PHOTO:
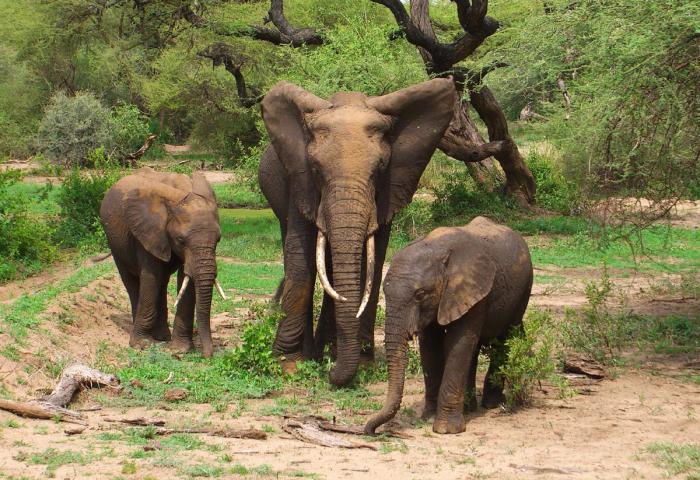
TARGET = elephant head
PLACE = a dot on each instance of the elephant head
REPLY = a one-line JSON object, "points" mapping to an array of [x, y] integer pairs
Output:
{"points": [[170, 215], [437, 278], [353, 161]]}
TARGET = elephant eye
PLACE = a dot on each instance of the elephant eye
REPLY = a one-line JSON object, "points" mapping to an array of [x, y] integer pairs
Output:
{"points": [[421, 294]]}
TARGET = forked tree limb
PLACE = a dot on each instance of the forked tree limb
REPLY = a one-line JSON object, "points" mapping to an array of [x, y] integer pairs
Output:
{"points": [[73, 378], [132, 158]]}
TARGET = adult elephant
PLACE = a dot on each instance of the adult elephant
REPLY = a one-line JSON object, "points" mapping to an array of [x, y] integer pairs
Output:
{"points": [[157, 224], [336, 173]]}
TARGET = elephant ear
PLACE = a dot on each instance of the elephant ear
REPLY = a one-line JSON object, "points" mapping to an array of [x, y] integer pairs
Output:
{"points": [[283, 111], [469, 279], [421, 115], [201, 186], [147, 214]]}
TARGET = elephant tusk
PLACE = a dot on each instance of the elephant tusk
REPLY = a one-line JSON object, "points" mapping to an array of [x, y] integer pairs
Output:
{"points": [[219, 289], [321, 268], [185, 282], [369, 276]]}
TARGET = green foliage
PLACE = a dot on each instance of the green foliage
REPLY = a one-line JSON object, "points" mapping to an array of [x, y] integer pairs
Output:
{"points": [[24, 237], [129, 130], [677, 459], [605, 333], [530, 359], [554, 192], [73, 127], [79, 201], [632, 128], [596, 330], [255, 355]]}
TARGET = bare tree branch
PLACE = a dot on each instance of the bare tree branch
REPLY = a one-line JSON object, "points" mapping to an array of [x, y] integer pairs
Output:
{"points": [[222, 54]]}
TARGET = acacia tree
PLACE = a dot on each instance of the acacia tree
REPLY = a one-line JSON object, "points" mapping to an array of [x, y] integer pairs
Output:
{"points": [[462, 140]]}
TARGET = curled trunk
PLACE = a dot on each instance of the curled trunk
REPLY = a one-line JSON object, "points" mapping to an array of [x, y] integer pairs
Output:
{"points": [[397, 360]]}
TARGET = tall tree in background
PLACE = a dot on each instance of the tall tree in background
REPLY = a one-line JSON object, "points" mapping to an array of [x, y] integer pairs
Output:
{"points": [[463, 140]]}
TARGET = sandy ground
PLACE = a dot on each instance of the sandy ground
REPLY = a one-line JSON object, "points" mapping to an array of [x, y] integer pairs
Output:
{"points": [[600, 433]]}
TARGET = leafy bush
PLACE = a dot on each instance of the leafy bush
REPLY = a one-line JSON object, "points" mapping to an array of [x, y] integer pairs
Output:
{"points": [[530, 359], [24, 239], [255, 355], [554, 192], [459, 199], [414, 220], [129, 130], [79, 201], [73, 127]]}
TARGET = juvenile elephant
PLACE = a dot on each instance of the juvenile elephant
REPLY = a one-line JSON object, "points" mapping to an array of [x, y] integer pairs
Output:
{"points": [[156, 224], [336, 173], [457, 288]]}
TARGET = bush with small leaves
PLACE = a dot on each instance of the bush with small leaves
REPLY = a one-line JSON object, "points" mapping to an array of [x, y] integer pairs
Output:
{"points": [[73, 127]]}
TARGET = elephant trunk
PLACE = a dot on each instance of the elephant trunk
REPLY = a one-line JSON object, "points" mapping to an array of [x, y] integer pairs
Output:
{"points": [[348, 219], [204, 277], [396, 342]]}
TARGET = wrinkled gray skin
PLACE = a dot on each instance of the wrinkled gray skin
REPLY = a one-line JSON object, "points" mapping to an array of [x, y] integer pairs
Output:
{"points": [[342, 167], [158, 224], [457, 288]]}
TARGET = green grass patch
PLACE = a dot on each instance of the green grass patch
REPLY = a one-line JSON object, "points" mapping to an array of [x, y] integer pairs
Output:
{"points": [[17, 317], [53, 459], [43, 196], [237, 195], [249, 235], [656, 249], [677, 459]]}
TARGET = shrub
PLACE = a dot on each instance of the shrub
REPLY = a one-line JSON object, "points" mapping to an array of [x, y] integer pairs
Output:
{"points": [[129, 130], [24, 240], [73, 127], [254, 355], [459, 199], [554, 192], [530, 359], [79, 201], [596, 330], [414, 220]]}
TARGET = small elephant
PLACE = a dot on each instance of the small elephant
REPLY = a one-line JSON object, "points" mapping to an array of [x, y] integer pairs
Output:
{"points": [[156, 224], [458, 288]]}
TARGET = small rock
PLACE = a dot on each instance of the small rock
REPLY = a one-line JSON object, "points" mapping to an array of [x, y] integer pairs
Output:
{"points": [[152, 446], [175, 394], [135, 383], [74, 430]]}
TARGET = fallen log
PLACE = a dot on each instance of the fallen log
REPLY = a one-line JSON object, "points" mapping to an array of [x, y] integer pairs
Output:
{"points": [[161, 429], [309, 430], [73, 378]]}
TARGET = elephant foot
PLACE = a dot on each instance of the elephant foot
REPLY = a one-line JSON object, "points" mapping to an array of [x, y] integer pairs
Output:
{"points": [[493, 399], [452, 424], [289, 361], [162, 334], [429, 409], [140, 342], [181, 345]]}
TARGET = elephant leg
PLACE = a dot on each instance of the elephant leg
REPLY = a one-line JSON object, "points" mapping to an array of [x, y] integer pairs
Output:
{"points": [[184, 318], [461, 340], [471, 404], [431, 341], [131, 283], [161, 331], [297, 298], [369, 316], [325, 330], [151, 279]]}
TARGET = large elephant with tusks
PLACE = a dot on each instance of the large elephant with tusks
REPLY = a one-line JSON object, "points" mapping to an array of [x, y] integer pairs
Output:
{"points": [[336, 173]]}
